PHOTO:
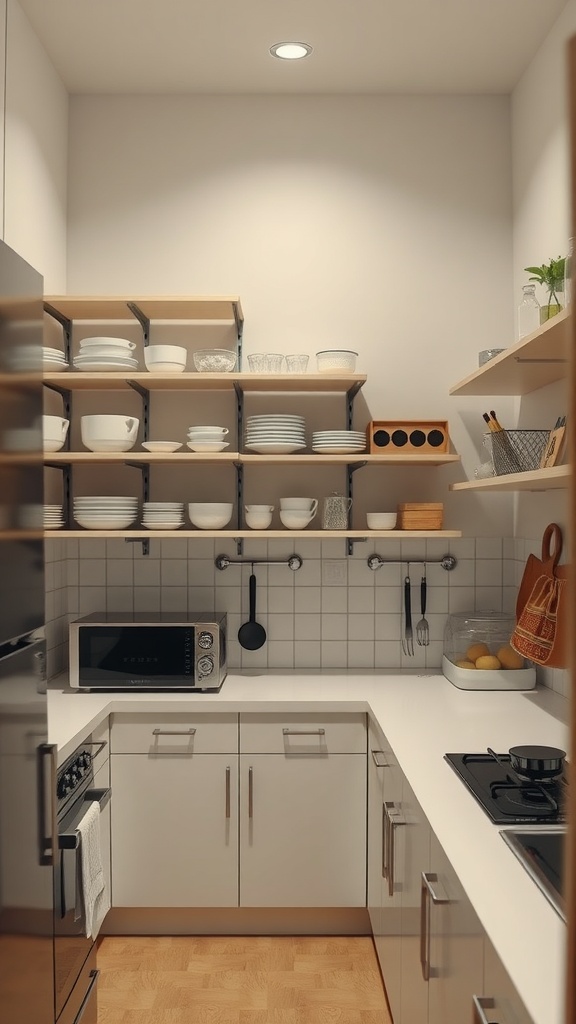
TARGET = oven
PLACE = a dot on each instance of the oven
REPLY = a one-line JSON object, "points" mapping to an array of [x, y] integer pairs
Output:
{"points": [[74, 953]]}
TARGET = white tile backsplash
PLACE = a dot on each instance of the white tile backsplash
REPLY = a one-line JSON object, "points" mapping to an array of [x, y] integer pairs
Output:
{"points": [[334, 612]]}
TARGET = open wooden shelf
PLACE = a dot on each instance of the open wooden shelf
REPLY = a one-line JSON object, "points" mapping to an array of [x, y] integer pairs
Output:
{"points": [[247, 382], [555, 477], [138, 534], [163, 307], [156, 458], [532, 363]]}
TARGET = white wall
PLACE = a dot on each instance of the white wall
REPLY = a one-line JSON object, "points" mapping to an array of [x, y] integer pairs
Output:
{"points": [[541, 201], [36, 142], [362, 222]]}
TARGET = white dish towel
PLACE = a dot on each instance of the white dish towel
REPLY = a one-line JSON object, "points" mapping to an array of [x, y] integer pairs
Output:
{"points": [[95, 895]]}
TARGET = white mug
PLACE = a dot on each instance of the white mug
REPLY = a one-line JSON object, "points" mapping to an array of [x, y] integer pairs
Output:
{"points": [[300, 505], [55, 427], [259, 508], [117, 427]]}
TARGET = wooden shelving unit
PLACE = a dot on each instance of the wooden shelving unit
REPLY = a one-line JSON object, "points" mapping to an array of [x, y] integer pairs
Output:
{"points": [[161, 307], [137, 534], [182, 457], [532, 363], [247, 382], [555, 478]]}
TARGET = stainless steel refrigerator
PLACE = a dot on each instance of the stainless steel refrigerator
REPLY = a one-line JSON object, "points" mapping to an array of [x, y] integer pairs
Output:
{"points": [[27, 762]]}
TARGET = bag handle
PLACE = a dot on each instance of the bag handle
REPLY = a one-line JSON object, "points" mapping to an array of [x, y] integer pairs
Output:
{"points": [[549, 553]]}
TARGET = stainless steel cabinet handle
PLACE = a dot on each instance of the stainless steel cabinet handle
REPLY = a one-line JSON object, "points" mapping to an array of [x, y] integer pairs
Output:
{"points": [[228, 791], [250, 793], [384, 842], [173, 732], [378, 758], [303, 732], [426, 894], [93, 980], [394, 819], [479, 1005], [48, 821]]}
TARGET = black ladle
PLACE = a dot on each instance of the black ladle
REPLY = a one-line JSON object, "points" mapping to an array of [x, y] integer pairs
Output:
{"points": [[251, 635]]}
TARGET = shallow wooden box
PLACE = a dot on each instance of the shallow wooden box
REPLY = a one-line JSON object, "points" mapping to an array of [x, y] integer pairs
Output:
{"points": [[402, 437]]}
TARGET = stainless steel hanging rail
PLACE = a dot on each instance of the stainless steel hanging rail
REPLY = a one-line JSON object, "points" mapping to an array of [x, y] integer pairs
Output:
{"points": [[448, 562], [223, 561]]}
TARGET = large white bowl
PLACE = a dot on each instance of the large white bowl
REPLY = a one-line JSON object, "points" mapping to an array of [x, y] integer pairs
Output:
{"points": [[109, 445], [165, 358], [336, 360], [110, 426], [210, 515]]}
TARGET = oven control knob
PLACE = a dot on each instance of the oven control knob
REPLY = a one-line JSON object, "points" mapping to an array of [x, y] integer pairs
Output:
{"points": [[205, 666], [205, 640]]}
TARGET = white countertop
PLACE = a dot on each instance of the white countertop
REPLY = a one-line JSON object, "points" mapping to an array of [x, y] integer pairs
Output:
{"points": [[423, 717]]}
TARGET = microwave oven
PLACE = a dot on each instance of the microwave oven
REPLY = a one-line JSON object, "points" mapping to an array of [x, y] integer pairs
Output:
{"points": [[148, 652]]}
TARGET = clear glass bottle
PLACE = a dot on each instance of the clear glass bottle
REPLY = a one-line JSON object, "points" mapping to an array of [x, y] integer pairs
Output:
{"points": [[568, 274], [528, 311]]}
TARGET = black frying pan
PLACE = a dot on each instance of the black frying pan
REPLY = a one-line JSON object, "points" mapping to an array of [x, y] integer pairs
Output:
{"points": [[534, 763], [251, 635]]}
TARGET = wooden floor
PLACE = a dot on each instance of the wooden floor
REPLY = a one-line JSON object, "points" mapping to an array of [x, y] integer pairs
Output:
{"points": [[237, 980]]}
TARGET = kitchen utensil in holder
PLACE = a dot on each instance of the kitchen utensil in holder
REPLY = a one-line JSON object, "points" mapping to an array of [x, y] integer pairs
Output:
{"points": [[516, 451]]}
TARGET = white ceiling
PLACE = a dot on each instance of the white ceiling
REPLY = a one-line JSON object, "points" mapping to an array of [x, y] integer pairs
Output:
{"points": [[360, 46]]}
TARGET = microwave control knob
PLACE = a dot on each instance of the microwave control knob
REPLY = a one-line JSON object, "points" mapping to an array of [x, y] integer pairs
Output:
{"points": [[205, 640], [205, 666]]}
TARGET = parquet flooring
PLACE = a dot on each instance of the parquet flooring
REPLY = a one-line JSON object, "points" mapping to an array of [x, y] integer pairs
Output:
{"points": [[240, 980]]}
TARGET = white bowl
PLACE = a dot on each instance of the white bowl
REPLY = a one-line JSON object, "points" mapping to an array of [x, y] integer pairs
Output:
{"points": [[206, 521], [123, 343], [296, 520], [305, 505], [109, 426], [336, 360], [107, 444], [93, 523], [165, 358], [381, 520], [161, 446], [258, 520], [52, 444], [214, 360], [207, 446]]}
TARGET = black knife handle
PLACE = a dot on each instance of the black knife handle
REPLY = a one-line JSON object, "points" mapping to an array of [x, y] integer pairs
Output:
{"points": [[407, 608], [423, 596]]}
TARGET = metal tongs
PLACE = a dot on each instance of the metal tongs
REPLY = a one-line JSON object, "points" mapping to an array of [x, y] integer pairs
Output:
{"points": [[407, 639]]}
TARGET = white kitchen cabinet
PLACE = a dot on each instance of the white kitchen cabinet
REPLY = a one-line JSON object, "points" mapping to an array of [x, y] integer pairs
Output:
{"points": [[376, 765], [302, 811], [500, 1003], [416, 834], [174, 811]]}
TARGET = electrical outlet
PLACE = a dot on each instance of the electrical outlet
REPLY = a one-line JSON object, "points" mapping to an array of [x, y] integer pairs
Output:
{"points": [[334, 572]]}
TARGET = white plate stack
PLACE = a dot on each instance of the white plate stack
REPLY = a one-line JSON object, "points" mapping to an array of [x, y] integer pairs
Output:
{"points": [[53, 360], [163, 515], [275, 434], [53, 517], [97, 354], [338, 442], [107, 512]]}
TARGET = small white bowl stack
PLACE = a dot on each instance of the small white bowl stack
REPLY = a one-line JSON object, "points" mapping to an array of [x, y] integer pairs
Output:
{"points": [[105, 512], [53, 517], [104, 354], [207, 439], [163, 515], [53, 360], [275, 434], [338, 442]]}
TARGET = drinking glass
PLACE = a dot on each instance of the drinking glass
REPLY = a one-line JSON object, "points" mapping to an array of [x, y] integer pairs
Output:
{"points": [[274, 362], [297, 363], [258, 362]]}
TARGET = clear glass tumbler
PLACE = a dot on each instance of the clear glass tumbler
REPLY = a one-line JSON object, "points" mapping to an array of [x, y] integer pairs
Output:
{"points": [[258, 362], [297, 363], [274, 362]]}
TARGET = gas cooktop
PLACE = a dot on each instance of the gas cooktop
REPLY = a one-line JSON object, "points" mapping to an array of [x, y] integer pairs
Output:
{"points": [[505, 798]]}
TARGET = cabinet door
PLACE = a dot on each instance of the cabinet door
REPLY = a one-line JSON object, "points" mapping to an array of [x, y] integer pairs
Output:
{"points": [[456, 949], [501, 1003], [174, 830], [303, 830], [388, 941], [376, 764], [416, 847], [102, 781]]}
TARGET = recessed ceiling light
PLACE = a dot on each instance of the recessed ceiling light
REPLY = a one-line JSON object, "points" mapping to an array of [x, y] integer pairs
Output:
{"points": [[290, 51]]}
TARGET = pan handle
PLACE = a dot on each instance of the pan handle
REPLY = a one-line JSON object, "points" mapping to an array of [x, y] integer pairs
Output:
{"points": [[252, 598]]}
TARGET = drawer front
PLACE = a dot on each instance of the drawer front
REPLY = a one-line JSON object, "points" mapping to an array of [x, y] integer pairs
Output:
{"points": [[180, 733], [303, 734]]}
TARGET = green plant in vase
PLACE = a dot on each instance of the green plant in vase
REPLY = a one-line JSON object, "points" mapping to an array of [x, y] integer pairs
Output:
{"points": [[551, 275]]}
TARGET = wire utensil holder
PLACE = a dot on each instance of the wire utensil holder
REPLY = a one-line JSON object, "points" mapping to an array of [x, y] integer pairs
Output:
{"points": [[516, 451]]}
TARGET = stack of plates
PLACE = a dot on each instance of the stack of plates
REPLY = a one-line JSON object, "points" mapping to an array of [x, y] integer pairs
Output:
{"points": [[53, 517], [105, 354], [338, 442], [110, 512], [53, 360], [163, 515], [275, 434]]}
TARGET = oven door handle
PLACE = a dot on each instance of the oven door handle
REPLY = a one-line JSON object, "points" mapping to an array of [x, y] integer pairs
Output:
{"points": [[71, 840]]}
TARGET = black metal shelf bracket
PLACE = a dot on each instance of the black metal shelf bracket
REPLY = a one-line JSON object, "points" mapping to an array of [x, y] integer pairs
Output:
{"points": [[350, 470], [240, 503], [66, 470], [448, 562], [239, 321], [144, 468], [66, 396], [145, 396], [142, 319], [350, 396], [66, 324]]}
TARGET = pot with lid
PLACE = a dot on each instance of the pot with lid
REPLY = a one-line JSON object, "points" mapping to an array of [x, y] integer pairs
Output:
{"points": [[536, 763]]}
